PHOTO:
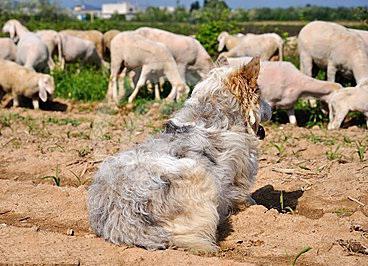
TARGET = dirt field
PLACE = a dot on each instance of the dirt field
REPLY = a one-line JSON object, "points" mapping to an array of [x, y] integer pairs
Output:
{"points": [[311, 191]]}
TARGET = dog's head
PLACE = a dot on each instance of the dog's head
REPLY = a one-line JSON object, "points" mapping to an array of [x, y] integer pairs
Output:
{"points": [[233, 95], [242, 84]]}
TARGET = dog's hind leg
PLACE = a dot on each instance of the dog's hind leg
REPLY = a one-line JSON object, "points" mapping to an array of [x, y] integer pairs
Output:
{"points": [[195, 225]]}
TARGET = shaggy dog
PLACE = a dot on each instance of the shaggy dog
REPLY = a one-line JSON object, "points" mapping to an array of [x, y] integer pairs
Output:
{"points": [[175, 189]]}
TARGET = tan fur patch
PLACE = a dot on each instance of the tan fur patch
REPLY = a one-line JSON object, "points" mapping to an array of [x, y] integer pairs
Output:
{"points": [[242, 83]]}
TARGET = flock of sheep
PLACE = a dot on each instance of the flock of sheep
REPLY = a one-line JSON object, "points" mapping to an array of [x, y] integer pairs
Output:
{"points": [[149, 56]]}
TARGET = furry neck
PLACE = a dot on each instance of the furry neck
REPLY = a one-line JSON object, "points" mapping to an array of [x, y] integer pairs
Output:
{"points": [[209, 112]]}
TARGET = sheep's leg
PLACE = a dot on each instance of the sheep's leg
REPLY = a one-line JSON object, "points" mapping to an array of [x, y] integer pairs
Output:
{"points": [[339, 118], [306, 63], [182, 70], [141, 81], [157, 91], [292, 118], [331, 71], [15, 100], [51, 63], [35, 103], [112, 91], [172, 94], [121, 83], [366, 118]]}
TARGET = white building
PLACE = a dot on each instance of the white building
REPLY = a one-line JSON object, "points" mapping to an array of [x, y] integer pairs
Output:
{"points": [[123, 8]]}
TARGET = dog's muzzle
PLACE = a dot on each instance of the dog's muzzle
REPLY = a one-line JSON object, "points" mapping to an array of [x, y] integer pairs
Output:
{"points": [[261, 134]]}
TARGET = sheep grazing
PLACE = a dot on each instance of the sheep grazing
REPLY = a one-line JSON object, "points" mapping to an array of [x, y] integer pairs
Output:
{"points": [[363, 34], [74, 49], [282, 84], [131, 51], [53, 42], [108, 36], [8, 49], [338, 48], [21, 81], [345, 100], [263, 45], [31, 51], [187, 51], [90, 35], [228, 41]]}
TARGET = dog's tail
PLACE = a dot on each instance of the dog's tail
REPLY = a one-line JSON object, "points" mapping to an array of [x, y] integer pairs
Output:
{"points": [[119, 212]]}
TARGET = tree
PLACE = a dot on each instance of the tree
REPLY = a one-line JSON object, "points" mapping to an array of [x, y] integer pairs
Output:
{"points": [[194, 6]]}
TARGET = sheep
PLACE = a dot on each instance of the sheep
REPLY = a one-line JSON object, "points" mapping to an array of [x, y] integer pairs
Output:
{"points": [[21, 81], [31, 51], [363, 34], [130, 50], [345, 100], [108, 36], [186, 50], [53, 42], [228, 41], [262, 45], [74, 48], [331, 45], [8, 49], [282, 84], [90, 35]]}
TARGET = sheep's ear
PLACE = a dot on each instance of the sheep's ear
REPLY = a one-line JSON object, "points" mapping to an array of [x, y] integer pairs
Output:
{"points": [[42, 94], [242, 82], [11, 29], [42, 91]]}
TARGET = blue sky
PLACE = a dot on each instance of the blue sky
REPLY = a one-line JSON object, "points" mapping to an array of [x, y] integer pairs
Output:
{"points": [[231, 3]]}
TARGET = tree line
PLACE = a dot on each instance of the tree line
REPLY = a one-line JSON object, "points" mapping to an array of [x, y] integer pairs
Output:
{"points": [[206, 11]]}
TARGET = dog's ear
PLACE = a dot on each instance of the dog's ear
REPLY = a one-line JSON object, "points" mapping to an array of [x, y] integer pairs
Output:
{"points": [[242, 83], [222, 61]]}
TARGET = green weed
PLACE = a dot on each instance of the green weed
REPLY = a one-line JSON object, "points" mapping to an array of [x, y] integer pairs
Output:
{"points": [[333, 154], [361, 149], [55, 178]]}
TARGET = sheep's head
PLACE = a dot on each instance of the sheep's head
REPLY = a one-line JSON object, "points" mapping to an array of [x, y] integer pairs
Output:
{"points": [[222, 40], [242, 83], [10, 27], [46, 87]]}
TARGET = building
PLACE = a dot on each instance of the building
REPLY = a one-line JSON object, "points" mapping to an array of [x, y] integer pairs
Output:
{"points": [[123, 8], [82, 11], [106, 11]]}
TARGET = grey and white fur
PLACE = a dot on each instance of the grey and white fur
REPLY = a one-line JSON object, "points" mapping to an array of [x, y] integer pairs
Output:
{"points": [[175, 189]]}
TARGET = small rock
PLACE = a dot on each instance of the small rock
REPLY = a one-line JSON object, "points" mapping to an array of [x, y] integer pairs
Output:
{"points": [[35, 228], [70, 232]]}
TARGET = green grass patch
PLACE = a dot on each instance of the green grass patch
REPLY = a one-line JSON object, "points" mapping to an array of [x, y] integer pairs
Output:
{"points": [[81, 82]]}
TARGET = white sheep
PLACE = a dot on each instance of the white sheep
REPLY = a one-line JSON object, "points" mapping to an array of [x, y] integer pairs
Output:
{"points": [[331, 45], [186, 50], [53, 42], [31, 51], [282, 84], [228, 41], [8, 49], [363, 34], [345, 100], [131, 51], [262, 45], [108, 36], [90, 35], [21, 81], [74, 48]]}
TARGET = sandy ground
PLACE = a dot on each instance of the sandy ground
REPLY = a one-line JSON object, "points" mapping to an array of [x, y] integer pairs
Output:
{"points": [[311, 191]]}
